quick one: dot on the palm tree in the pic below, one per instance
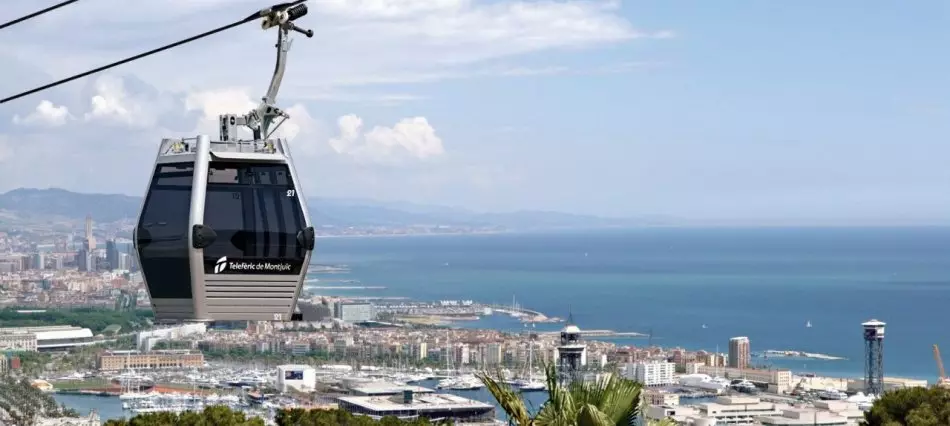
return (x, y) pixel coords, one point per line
(608, 401)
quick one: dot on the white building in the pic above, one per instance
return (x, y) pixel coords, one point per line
(803, 417)
(296, 377)
(354, 312)
(25, 342)
(736, 410)
(145, 340)
(779, 381)
(653, 373)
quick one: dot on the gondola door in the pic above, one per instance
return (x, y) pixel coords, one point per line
(253, 267)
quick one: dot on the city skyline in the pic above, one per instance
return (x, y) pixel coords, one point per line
(729, 112)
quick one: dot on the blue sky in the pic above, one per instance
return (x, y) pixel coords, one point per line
(715, 112)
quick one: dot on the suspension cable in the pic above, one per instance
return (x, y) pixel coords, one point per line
(263, 13)
(37, 13)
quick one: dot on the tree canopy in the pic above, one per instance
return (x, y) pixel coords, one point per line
(95, 319)
(911, 407)
(301, 417)
(224, 416)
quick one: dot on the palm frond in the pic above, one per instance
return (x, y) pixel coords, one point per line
(616, 397)
(590, 415)
(559, 409)
(507, 398)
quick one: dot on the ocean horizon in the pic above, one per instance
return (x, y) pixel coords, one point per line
(765, 283)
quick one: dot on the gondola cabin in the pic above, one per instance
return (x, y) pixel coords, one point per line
(224, 232)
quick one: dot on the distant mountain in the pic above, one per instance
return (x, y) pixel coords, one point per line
(60, 202)
(325, 212)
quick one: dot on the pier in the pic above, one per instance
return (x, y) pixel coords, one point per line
(516, 311)
(605, 333)
(799, 354)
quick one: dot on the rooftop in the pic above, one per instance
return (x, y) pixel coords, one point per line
(420, 403)
(387, 388)
(294, 367)
(802, 416)
(76, 333)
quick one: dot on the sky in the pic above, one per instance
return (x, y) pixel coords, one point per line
(785, 112)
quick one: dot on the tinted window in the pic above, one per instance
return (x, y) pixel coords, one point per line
(164, 221)
(255, 212)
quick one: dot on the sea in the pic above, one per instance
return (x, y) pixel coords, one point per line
(762, 283)
(686, 287)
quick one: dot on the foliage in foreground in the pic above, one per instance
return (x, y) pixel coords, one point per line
(20, 402)
(216, 416)
(301, 417)
(224, 416)
(911, 407)
(608, 401)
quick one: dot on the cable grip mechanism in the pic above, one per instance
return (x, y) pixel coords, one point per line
(267, 115)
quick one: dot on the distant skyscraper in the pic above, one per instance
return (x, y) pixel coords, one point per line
(85, 261)
(90, 239)
(133, 260)
(39, 261)
(112, 255)
(124, 264)
(739, 352)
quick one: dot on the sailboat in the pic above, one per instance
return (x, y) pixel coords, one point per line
(528, 383)
(808, 324)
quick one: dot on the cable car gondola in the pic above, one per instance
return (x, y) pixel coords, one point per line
(224, 232)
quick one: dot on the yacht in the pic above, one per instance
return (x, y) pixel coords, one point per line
(832, 395)
(461, 383)
(745, 386)
(132, 381)
(703, 381)
(530, 385)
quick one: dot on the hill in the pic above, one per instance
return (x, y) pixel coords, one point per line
(338, 212)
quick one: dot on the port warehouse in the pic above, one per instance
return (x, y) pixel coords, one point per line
(46, 338)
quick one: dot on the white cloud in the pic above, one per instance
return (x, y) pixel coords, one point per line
(46, 114)
(410, 136)
(112, 103)
(396, 40)
(358, 47)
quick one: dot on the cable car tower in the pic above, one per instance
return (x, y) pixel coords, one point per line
(224, 232)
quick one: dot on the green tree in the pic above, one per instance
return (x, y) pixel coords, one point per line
(301, 417)
(218, 415)
(911, 407)
(608, 401)
(224, 416)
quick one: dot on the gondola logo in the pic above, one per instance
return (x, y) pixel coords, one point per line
(221, 264)
(225, 266)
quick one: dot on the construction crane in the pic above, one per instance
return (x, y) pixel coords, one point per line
(942, 379)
